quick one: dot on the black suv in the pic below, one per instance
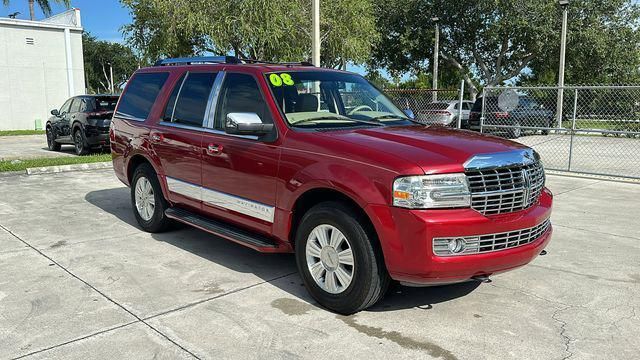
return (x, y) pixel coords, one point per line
(526, 114)
(83, 121)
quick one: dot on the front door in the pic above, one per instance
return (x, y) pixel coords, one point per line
(60, 124)
(239, 172)
(177, 137)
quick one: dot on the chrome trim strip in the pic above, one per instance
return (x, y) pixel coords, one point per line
(223, 200)
(501, 159)
(127, 117)
(238, 204)
(184, 188)
(180, 126)
(213, 101)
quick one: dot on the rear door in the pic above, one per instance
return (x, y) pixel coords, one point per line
(177, 137)
(239, 172)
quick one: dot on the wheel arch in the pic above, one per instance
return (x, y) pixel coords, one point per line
(138, 159)
(314, 196)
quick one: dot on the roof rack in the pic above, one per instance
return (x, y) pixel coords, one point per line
(198, 60)
(222, 60)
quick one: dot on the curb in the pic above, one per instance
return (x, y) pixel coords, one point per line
(68, 168)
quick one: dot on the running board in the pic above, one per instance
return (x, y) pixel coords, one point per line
(227, 231)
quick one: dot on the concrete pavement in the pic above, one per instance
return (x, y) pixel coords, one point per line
(79, 280)
(29, 147)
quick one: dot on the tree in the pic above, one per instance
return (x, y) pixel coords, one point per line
(261, 29)
(495, 40)
(44, 5)
(603, 46)
(98, 55)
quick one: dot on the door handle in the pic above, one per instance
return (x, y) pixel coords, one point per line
(214, 149)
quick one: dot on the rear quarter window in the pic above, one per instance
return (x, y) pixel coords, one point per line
(141, 93)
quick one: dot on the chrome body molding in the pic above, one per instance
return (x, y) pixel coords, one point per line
(223, 200)
(502, 159)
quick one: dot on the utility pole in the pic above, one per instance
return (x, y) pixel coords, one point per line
(563, 47)
(315, 49)
(111, 79)
(436, 52)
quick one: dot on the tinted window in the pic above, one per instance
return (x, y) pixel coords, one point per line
(240, 93)
(168, 110)
(65, 107)
(75, 107)
(193, 98)
(141, 94)
(105, 103)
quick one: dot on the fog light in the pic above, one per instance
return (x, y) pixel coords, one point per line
(456, 245)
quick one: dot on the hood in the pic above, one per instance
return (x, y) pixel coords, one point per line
(435, 149)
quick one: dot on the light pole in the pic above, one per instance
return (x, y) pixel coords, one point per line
(436, 51)
(111, 78)
(315, 49)
(564, 4)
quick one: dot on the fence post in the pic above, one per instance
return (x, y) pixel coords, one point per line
(573, 127)
(460, 104)
(484, 99)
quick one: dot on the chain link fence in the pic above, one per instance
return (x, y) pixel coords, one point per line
(586, 129)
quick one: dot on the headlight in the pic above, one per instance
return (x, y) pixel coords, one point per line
(432, 191)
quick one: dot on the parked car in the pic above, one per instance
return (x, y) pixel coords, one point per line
(268, 156)
(82, 121)
(528, 114)
(444, 113)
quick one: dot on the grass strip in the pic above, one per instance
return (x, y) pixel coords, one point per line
(19, 165)
(21, 132)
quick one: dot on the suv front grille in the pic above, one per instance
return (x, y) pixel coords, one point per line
(505, 189)
(491, 242)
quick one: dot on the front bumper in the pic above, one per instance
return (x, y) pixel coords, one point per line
(406, 237)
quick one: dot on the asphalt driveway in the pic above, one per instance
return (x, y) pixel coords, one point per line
(79, 280)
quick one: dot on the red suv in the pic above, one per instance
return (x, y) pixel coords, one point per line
(294, 158)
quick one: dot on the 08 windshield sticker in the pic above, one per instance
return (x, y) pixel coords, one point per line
(279, 79)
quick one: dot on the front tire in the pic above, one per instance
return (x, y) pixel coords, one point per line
(148, 202)
(339, 260)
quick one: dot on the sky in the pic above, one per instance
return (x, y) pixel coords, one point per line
(102, 18)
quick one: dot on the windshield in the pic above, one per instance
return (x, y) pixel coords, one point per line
(322, 99)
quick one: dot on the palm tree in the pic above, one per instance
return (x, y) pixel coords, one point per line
(43, 4)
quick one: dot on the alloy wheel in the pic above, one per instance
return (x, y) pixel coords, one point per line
(330, 258)
(145, 199)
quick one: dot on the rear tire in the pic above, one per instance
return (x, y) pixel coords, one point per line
(80, 142)
(52, 144)
(516, 132)
(147, 200)
(349, 274)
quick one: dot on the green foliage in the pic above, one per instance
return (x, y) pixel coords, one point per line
(603, 45)
(20, 132)
(262, 29)
(97, 57)
(490, 42)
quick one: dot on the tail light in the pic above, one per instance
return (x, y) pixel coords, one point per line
(442, 113)
(501, 115)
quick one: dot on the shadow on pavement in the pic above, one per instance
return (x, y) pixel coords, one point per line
(235, 257)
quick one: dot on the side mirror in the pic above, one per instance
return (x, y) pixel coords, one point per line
(246, 124)
(409, 113)
(55, 112)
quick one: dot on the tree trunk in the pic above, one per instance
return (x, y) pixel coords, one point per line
(32, 12)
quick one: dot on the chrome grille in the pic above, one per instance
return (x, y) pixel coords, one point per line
(491, 242)
(505, 189)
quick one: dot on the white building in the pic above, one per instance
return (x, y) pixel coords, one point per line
(41, 65)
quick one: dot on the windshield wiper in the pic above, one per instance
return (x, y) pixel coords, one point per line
(336, 117)
(389, 116)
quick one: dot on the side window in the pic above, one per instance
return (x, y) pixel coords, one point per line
(140, 95)
(65, 107)
(240, 93)
(193, 98)
(171, 103)
(75, 107)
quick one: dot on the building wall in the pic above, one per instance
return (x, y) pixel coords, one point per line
(34, 78)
